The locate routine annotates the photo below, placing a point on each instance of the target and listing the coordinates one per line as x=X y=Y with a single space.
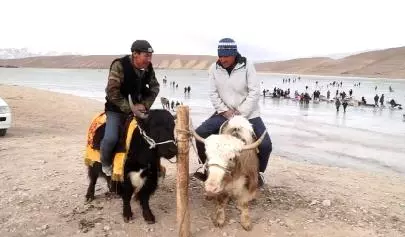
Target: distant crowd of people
x=341 y=98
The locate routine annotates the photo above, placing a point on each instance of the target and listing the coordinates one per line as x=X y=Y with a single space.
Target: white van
x=5 y=117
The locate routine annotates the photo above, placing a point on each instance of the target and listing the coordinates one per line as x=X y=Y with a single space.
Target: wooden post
x=183 y=214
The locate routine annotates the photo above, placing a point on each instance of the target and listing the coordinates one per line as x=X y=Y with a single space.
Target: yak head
x=223 y=151
x=158 y=126
x=239 y=127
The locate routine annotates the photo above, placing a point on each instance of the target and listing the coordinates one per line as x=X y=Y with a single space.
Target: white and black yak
x=152 y=139
x=233 y=167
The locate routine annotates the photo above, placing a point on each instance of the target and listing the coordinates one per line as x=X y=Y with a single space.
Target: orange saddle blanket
x=94 y=135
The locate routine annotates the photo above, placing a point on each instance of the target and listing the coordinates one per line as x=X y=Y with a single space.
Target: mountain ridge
x=387 y=63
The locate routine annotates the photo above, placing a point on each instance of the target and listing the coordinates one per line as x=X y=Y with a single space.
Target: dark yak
x=153 y=138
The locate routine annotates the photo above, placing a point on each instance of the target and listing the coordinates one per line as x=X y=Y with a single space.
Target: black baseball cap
x=141 y=46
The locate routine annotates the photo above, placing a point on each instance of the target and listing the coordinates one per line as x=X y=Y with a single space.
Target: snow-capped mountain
x=11 y=53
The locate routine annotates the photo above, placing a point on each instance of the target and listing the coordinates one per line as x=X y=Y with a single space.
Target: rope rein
x=190 y=139
x=150 y=141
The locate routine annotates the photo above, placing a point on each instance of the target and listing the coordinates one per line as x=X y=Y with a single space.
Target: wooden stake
x=183 y=214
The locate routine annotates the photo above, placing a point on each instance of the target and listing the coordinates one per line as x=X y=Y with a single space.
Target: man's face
x=142 y=59
x=227 y=61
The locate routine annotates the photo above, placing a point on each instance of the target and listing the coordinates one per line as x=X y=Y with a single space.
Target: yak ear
x=223 y=126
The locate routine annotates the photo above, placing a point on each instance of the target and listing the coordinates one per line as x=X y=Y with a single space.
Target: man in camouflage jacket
x=130 y=75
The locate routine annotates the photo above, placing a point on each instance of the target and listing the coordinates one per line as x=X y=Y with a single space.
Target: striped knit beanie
x=227 y=47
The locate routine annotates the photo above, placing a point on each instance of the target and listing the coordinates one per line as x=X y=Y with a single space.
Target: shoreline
x=320 y=76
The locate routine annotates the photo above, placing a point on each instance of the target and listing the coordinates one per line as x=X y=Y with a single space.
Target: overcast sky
x=272 y=29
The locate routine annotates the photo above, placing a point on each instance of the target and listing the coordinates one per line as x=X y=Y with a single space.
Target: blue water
x=363 y=137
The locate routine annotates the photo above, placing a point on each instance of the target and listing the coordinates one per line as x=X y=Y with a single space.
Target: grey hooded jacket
x=239 y=90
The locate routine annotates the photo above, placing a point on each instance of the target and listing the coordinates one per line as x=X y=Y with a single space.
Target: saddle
x=96 y=133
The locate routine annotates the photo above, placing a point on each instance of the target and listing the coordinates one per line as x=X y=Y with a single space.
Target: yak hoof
x=128 y=217
x=149 y=218
x=247 y=226
x=89 y=197
x=218 y=221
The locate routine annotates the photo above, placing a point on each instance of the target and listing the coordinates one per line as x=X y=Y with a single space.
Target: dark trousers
x=212 y=125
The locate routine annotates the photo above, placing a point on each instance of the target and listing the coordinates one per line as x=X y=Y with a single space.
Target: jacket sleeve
x=154 y=88
x=216 y=100
x=115 y=80
x=253 y=86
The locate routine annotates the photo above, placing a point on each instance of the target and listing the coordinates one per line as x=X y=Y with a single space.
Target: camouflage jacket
x=119 y=85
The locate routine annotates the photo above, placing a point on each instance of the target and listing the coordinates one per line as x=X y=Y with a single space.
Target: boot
x=260 y=180
x=202 y=176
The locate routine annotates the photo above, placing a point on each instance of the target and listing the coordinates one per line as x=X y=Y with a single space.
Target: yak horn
x=137 y=113
x=131 y=104
x=197 y=137
x=256 y=143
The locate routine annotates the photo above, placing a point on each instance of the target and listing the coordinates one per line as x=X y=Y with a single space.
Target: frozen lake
x=364 y=137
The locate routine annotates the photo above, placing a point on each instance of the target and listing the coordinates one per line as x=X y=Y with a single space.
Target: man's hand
x=139 y=107
x=139 y=110
x=228 y=114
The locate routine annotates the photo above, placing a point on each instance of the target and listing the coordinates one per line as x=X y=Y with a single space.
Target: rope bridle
x=227 y=171
x=152 y=143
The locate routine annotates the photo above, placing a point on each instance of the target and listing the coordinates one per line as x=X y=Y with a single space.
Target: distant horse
x=165 y=103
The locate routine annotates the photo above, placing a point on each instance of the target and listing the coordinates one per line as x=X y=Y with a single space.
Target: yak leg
x=144 y=195
x=244 y=215
x=219 y=217
x=161 y=172
x=146 y=211
x=93 y=173
x=127 y=192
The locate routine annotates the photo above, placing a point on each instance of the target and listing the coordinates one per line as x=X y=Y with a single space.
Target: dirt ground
x=44 y=182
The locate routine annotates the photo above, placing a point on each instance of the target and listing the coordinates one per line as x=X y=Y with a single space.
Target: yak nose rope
x=151 y=142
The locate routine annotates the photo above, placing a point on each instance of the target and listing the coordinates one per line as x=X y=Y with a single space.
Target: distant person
x=172 y=105
x=376 y=97
x=393 y=103
x=363 y=100
x=350 y=92
x=337 y=104
x=344 y=105
x=130 y=75
x=343 y=95
x=382 y=100
x=234 y=90
x=328 y=95
x=188 y=89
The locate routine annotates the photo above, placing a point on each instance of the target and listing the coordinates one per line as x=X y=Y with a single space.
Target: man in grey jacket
x=234 y=90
